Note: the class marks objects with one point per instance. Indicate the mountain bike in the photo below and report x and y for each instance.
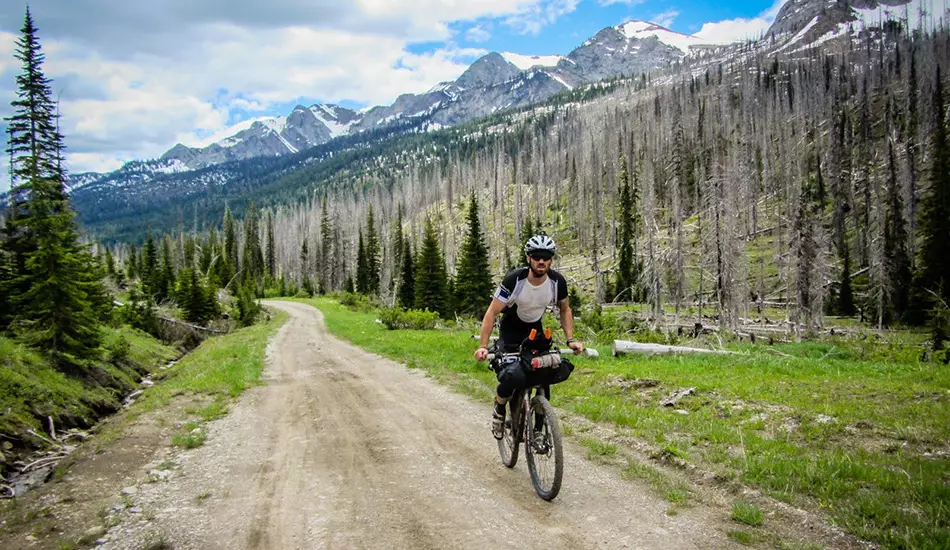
(531, 420)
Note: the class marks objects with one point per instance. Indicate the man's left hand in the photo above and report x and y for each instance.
(577, 346)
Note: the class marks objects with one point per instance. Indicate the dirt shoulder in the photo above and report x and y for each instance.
(341, 448)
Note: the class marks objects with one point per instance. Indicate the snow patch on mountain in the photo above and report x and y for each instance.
(525, 62)
(917, 13)
(645, 29)
(328, 116)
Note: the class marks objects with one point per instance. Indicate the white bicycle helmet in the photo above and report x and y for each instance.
(540, 243)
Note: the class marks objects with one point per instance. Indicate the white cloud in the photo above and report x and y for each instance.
(734, 30)
(134, 81)
(538, 15)
(666, 18)
(478, 33)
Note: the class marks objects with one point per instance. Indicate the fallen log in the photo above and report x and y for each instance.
(625, 346)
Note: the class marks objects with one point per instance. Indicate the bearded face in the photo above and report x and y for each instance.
(539, 264)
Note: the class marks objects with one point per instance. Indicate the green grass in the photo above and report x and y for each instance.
(216, 372)
(220, 368)
(747, 513)
(858, 430)
(31, 390)
(598, 449)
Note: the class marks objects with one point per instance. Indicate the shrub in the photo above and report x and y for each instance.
(413, 319)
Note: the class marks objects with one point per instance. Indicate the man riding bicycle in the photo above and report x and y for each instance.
(522, 298)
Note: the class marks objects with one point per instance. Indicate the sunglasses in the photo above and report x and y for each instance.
(539, 258)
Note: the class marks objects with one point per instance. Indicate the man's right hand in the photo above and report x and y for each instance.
(481, 354)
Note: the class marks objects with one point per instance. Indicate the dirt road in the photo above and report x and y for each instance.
(341, 448)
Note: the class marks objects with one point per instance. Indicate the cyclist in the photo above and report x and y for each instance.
(522, 298)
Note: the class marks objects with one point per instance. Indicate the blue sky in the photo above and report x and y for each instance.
(135, 78)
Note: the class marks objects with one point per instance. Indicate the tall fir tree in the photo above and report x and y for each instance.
(896, 258)
(625, 282)
(362, 269)
(252, 261)
(58, 277)
(228, 265)
(149, 263)
(166, 280)
(407, 278)
(397, 241)
(932, 284)
(473, 282)
(131, 264)
(271, 248)
(372, 254)
(305, 280)
(431, 284)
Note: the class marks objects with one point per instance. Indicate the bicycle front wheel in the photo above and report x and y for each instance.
(508, 444)
(543, 449)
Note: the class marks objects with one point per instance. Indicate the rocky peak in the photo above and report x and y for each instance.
(488, 70)
(817, 17)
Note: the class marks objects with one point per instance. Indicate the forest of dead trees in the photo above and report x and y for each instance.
(817, 182)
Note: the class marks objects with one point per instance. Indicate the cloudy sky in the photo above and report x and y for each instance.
(135, 78)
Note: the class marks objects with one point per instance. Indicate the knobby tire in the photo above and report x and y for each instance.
(546, 484)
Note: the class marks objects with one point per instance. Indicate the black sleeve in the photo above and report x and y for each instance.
(507, 286)
(561, 288)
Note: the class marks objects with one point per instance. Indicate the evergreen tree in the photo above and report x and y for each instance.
(167, 278)
(348, 285)
(896, 258)
(110, 263)
(397, 247)
(271, 248)
(131, 265)
(149, 264)
(933, 276)
(473, 282)
(362, 269)
(432, 285)
(372, 254)
(228, 264)
(305, 280)
(253, 259)
(625, 282)
(57, 312)
(407, 279)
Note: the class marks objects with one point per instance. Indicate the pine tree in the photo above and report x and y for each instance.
(228, 264)
(149, 272)
(432, 285)
(271, 248)
(57, 312)
(131, 264)
(305, 280)
(473, 282)
(624, 285)
(933, 276)
(253, 258)
(397, 247)
(167, 276)
(362, 269)
(407, 279)
(372, 254)
(896, 259)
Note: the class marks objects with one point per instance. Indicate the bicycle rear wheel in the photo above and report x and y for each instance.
(543, 449)
(508, 445)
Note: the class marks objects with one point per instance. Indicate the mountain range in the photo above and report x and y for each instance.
(269, 148)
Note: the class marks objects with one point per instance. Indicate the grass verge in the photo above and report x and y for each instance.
(861, 438)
